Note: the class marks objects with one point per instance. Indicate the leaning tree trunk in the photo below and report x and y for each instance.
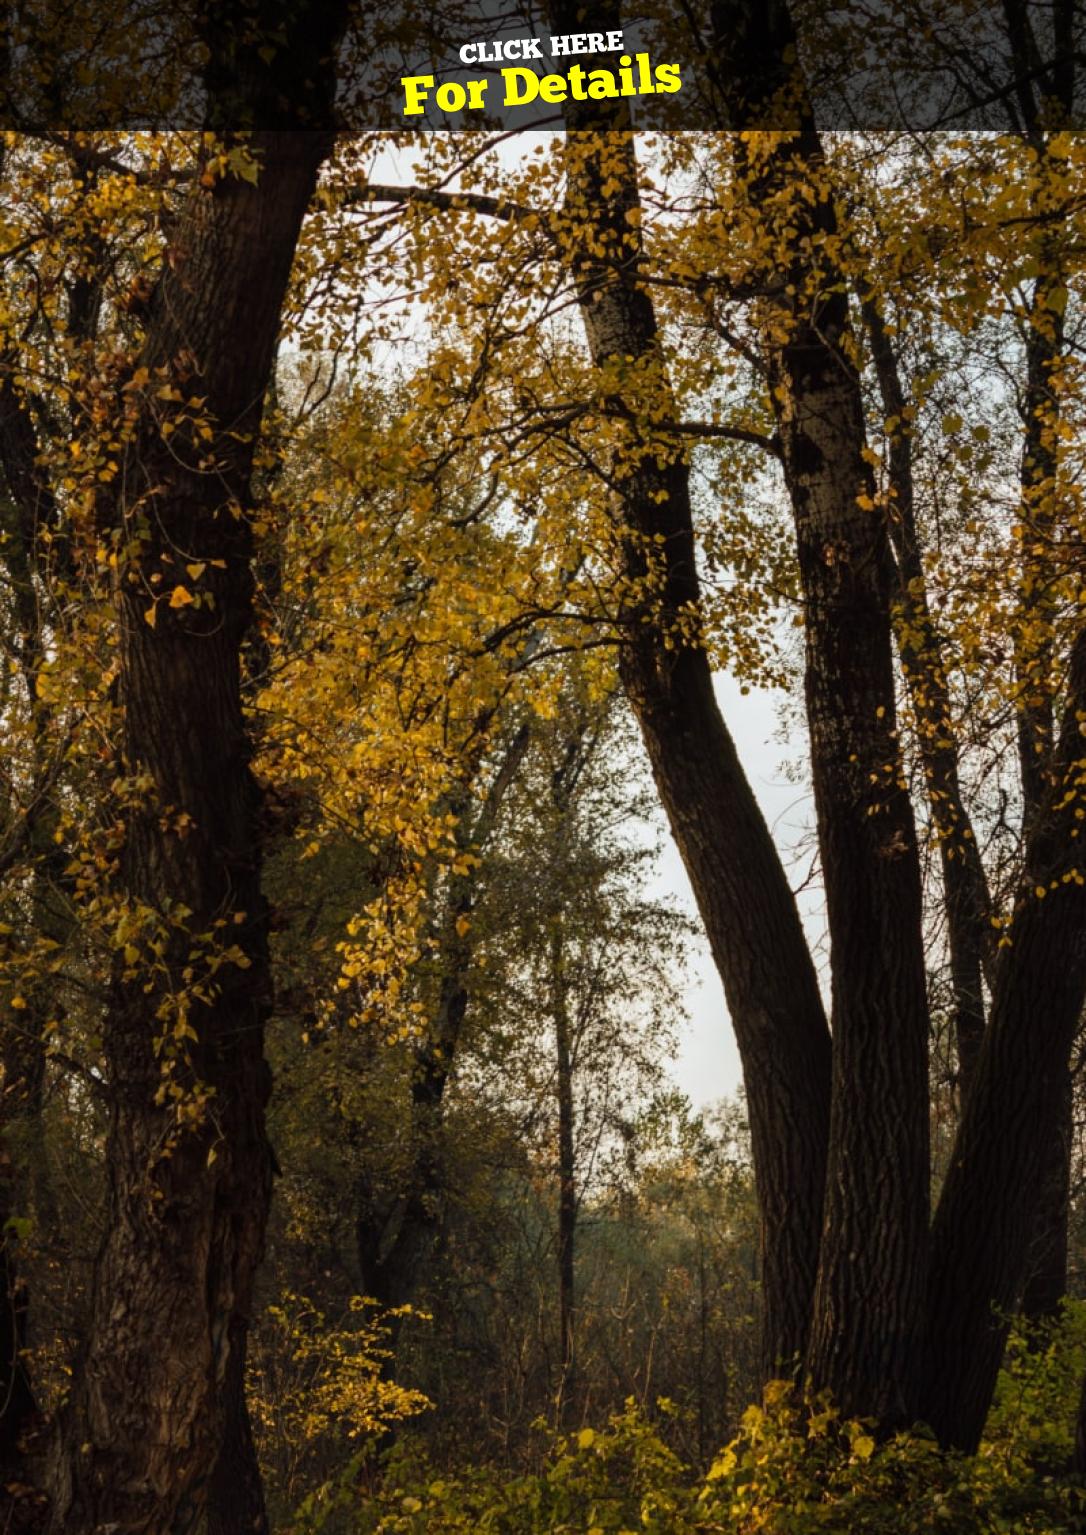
(986, 1218)
(966, 897)
(1004, 1206)
(869, 1301)
(746, 905)
(188, 1161)
(868, 1309)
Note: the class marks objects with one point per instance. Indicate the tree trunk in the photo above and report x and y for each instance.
(868, 1334)
(394, 1246)
(22, 1058)
(742, 892)
(29, 521)
(235, 1499)
(869, 1301)
(1046, 1265)
(1033, 638)
(986, 1217)
(868, 1308)
(188, 1160)
(567, 1190)
(967, 899)
(21, 1050)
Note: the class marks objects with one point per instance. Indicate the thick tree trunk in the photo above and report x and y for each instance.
(188, 1160)
(868, 1309)
(986, 1217)
(235, 1499)
(869, 1302)
(864, 1332)
(25, 1190)
(1041, 411)
(965, 886)
(1046, 1264)
(743, 896)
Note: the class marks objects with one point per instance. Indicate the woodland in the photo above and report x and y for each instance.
(377, 509)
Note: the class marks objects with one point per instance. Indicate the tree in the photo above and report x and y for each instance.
(157, 1396)
(790, 397)
(590, 958)
(786, 271)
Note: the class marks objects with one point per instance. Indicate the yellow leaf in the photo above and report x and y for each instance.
(151, 614)
(463, 925)
(586, 1438)
(863, 1446)
(180, 597)
(196, 570)
(723, 1466)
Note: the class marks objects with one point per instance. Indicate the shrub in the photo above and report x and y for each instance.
(793, 1468)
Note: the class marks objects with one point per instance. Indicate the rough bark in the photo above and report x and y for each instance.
(868, 1307)
(188, 1184)
(965, 884)
(987, 1212)
(758, 946)
(21, 1052)
(742, 892)
(1046, 1262)
(1045, 343)
(235, 1500)
(984, 1222)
